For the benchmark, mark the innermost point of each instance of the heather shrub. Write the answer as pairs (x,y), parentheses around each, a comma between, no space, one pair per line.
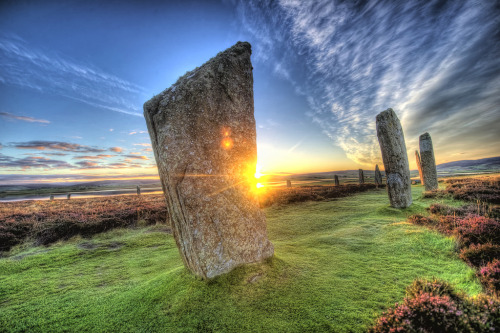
(475,229)
(434,287)
(434,306)
(421,220)
(489,276)
(440,209)
(480,254)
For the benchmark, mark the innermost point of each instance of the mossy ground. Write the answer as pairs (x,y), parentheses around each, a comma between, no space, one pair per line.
(338,264)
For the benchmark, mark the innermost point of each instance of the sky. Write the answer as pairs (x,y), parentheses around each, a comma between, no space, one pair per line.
(75,74)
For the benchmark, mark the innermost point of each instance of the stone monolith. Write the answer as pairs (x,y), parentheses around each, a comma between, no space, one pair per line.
(288,183)
(203,135)
(378,176)
(336,180)
(68,196)
(138,190)
(397,171)
(361,176)
(428,163)
(419,167)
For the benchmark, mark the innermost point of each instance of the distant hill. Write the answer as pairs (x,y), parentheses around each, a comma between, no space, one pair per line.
(491,163)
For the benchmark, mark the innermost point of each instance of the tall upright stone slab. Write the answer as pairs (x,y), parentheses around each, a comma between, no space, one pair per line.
(397,170)
(288,183)
(203,135)
(336,180)
(378,176)
(419,167)
(428,162)
(361,176)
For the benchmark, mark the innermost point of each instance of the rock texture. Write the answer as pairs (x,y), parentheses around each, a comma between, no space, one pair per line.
(428,163)
(361,176)
(397,170)
(378,176)
(336,180)
(419,166)
(138,190)
(203,134)
(288,183)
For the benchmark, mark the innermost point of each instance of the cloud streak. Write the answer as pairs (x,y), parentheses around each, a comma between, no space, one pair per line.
(435,62)
(23,118)
(29,67)
(55,145)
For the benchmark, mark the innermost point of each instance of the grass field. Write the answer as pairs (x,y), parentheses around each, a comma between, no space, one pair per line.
(337,266)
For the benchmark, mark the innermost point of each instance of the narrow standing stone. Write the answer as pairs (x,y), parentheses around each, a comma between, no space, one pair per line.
(361,177)
(138,190)
(419,166)
(397,171)
(51,197)
(378,176)
(288,183)
(336,180)
(203,135)
(428,162)
(68,196)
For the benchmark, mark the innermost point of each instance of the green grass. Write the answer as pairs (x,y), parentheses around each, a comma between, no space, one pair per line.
(337,266)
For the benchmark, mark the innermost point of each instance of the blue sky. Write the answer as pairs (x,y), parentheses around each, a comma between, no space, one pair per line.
(75,74)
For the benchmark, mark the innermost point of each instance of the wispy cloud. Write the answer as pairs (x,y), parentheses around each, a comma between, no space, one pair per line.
(142,144)
(55,145)
(116,149)
(23,118)
(436,63)
(92,157)
(33,162)
(138,157)
(29,67)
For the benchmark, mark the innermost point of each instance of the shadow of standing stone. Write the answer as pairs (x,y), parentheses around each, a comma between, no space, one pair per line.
(203,134)
(397,170)
(428,162)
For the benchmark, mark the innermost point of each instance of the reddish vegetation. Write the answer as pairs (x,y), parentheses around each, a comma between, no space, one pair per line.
(433,306)
(475,189)
(49,221)
(284,195)
(490,277)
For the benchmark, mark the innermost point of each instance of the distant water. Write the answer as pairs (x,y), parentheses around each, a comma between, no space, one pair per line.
(76,195)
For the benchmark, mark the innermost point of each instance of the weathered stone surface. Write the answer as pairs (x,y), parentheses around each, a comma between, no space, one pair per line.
(361,176)
(288,183)
(68,196)
(397,170)
(336,180)
(203,134)
(138,190)
(419,166)
(428,162)
(51,197)
(378,176)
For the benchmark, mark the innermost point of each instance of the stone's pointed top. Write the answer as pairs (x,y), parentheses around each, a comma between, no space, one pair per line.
(387,113)
(237,55)
(425,142)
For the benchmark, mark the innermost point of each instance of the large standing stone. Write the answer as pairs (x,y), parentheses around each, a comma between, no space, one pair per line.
(336,180)
(203,135)
(428,162)
(288,183)
(397,170)
(361,176)
(378,176)
(419,166)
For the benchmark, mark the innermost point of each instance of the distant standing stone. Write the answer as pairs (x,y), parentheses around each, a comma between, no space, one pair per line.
(419,166)
(68,196)
(51,197)
(138,190)
(378,176)
(336,180)
(397,170)
(428,162)
(361,177)
(203,135)
(288,183)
